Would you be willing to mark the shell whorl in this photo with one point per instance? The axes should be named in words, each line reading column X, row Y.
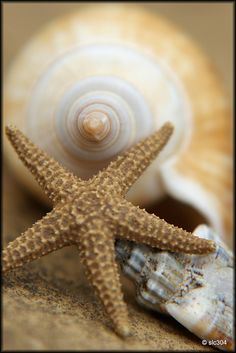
column 98, row 118
column 107, row 85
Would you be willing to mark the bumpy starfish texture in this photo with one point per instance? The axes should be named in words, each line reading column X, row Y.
column 91, row 214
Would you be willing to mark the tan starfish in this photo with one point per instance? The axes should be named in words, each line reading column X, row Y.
column 90, row 214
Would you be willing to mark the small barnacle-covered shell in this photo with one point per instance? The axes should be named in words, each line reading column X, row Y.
column 196, row 290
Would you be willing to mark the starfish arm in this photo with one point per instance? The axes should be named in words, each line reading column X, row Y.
column 54, row 179
column 127, row 168
column 50, row 233
column 96, row 247
column 138, row 225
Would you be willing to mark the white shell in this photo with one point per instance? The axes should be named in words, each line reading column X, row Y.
column 129, row 71
column 196, row 290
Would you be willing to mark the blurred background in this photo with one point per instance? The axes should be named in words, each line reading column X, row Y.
column 209, row 24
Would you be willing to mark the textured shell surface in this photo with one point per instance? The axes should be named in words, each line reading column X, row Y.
column 196, row 290
column 92, row 83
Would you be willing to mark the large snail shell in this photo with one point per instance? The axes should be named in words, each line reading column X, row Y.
column 93, row 83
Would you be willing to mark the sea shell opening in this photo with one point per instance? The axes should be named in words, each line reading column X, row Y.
column 178, row 212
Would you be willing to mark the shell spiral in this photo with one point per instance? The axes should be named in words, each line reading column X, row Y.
column 93, row 83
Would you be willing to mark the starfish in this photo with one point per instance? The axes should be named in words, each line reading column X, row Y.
column 91, row 214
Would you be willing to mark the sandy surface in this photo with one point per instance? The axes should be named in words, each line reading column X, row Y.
column 49, row 304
